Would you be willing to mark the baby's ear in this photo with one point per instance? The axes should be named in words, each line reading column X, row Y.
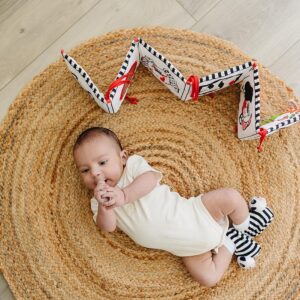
column 124, row 156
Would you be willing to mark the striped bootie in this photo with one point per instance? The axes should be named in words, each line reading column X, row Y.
column 246, row 249
column 261, row 216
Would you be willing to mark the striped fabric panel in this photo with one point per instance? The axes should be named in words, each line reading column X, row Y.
column 273, row 128
column 257, row 98
column 167, row 63
column 124, row 66
column 259, row 221
column 225, row 73
column 245, row 246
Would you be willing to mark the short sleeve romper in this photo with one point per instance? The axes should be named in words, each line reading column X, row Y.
column 163, row 219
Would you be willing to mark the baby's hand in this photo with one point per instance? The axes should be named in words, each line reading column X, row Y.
column 100, row 190
column 116, row 197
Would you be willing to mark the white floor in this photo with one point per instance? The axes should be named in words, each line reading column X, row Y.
column 33, row 32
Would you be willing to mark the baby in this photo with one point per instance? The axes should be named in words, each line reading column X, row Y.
column 128, row 195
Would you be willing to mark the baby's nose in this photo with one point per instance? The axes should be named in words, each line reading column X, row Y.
column 100, row 175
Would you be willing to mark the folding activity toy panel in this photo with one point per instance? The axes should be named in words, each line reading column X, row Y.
column 249, row 125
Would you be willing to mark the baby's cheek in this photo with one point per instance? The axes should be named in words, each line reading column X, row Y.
column 87, row 182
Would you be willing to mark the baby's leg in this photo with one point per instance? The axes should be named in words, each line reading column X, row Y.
column 208, row 268
column 227, row 202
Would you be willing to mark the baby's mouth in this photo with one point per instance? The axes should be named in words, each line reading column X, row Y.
column 106, row 181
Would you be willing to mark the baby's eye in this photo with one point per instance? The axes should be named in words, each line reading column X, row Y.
column 101, row 163
column 84, row 171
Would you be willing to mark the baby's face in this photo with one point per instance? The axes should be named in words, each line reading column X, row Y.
column 100, row 155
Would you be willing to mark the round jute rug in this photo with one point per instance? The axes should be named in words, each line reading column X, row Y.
column 50, row 246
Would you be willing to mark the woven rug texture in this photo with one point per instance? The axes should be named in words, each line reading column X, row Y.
column 50, row 247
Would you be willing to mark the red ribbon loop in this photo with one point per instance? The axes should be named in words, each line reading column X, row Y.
column 263, row 133
column 120, row 81
column 132, row 100
column 194, row 81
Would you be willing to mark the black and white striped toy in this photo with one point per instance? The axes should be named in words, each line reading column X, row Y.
column 249, row 125
column 261, row 216
column 246, row 249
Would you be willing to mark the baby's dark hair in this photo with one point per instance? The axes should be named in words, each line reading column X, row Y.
column 94, row 131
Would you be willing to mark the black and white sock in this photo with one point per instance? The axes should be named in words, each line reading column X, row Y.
column 229, row 244
column 260, row 215
column 245, row 248
column 244, row 225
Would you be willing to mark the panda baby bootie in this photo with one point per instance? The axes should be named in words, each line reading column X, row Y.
column 246, row 249
column 261, row 216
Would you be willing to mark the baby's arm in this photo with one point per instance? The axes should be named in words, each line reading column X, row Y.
column 106, row 218
column 141, row 186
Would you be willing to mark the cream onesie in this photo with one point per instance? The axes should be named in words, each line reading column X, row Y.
column 163, row 219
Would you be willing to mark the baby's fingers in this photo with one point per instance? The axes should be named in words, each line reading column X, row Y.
column 108, row 194
column 99, row 196
column 109, row 202
column 100, row 184
column 101, row 188
column 100, row 192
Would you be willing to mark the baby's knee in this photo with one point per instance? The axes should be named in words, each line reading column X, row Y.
column 232, row 194
column 203, row 269
column 207, row 280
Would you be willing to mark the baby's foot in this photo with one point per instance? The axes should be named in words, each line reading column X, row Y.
column 246, row 248
column 261, row 216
